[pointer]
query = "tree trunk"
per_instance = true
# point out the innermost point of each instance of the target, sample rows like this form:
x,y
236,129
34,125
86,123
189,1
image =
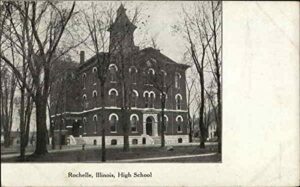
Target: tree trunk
x,y
162,127
22,125
124,111
103,148
41,134
201,121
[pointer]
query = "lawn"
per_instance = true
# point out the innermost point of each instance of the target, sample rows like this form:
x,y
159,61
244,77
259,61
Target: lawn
x,y
117,155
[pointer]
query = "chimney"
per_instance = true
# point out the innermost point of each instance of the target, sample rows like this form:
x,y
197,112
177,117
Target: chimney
x,y
81,57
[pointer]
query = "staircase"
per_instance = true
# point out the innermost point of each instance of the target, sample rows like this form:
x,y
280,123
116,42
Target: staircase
x,y
72,140
76,140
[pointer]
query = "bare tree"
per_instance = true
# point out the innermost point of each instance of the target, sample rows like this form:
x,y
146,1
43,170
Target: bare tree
x,y
41,45
212,28
162,84
98,24
190,99
195,33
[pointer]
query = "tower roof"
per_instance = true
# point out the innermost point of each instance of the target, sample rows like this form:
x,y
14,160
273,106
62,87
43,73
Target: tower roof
x,y
121,10
122,20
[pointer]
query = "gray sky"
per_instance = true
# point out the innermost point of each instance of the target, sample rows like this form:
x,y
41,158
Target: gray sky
x,y
157,19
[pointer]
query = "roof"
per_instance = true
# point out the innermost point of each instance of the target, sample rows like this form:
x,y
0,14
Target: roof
x,y
92,60
155,53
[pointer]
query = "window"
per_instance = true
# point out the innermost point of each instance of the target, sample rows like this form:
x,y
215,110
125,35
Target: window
x,y
179,121
134,141
133,74
152,99
150,75
179,140
177,80
163,77
134,97
95,75
146,95
113,72
84,80
94,93
95,119
114,142
178,98
113,119
133,122
84,102
166,119
113,93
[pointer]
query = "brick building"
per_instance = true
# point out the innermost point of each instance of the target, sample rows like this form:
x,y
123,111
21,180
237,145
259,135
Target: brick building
x,y
76,102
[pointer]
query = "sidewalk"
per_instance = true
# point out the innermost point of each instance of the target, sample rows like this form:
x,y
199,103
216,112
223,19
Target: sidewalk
x,y
68,148
162,158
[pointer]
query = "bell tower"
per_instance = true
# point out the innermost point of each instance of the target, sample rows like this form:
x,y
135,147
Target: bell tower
x,y
121,33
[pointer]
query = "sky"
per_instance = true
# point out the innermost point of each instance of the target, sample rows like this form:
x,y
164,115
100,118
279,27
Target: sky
x,y
156,20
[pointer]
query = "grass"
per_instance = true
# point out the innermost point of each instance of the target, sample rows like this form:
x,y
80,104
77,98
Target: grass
x,y
116,154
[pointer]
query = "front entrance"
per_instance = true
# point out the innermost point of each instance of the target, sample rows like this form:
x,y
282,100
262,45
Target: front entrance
x,y
75,129
149,123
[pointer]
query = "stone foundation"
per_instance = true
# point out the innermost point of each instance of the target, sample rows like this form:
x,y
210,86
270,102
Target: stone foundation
x,y
118,140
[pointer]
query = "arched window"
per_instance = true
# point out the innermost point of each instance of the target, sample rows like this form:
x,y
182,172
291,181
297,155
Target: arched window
x,y
95,119
152,99
146,96
179,121
94,93
177,80
95,69
134,141
134,98
95,75
133,74
84,102
166,120
113,120
133,122
84,80
163,77
150,76
113,93
178,98
113,72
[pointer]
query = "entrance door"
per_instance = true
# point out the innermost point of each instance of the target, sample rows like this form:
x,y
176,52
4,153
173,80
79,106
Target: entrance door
x,y
75,129
149,122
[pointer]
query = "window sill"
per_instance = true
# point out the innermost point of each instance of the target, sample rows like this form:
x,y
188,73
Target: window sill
x,y
113,132
179,131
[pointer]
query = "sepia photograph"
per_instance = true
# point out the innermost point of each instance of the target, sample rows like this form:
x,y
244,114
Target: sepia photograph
x,y
111,81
